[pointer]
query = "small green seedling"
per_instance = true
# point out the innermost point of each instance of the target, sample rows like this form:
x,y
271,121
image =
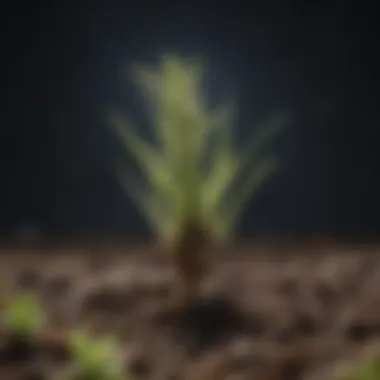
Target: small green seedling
x,y
22,315
196,180
367,370
94,359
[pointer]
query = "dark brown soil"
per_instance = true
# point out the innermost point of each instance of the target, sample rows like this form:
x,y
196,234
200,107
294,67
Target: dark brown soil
x,y
278,311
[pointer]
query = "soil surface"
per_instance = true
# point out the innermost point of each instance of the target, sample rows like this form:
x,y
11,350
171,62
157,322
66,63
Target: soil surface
x,y
269,311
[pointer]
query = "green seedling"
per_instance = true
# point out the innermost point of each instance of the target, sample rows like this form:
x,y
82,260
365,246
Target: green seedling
x,y
93,359
197,181
22,315
367,370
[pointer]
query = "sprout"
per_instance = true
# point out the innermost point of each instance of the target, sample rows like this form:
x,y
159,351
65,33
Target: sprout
x,y
367,370
93,359
22,315
197,181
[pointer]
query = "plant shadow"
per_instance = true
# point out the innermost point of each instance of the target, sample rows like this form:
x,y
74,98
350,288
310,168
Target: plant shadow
x,y
15,349
209,321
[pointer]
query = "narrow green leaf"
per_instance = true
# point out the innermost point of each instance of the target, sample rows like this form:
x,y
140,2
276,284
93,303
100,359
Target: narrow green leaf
x,y
257,176
150,160
222,118
155,209
263,135
224,161
233,207
149,81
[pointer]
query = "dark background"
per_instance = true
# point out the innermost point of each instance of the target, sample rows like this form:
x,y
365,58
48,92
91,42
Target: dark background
x,y
61,66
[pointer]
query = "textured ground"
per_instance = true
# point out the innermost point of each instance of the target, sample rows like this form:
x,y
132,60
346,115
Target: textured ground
x,y
270,311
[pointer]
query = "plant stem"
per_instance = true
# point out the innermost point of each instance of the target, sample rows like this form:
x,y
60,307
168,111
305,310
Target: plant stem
x,y
192,260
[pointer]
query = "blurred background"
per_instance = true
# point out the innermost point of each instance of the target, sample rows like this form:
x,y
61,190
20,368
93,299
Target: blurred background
x,y
262,314
63,63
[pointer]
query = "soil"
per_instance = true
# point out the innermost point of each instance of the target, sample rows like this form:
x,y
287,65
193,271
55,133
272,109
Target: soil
x,y
269,311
